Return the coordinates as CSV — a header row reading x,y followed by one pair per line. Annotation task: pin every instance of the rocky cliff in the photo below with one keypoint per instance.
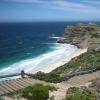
x,y
82,35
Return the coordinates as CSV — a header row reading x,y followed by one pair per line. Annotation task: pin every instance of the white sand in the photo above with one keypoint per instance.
x,y
50,67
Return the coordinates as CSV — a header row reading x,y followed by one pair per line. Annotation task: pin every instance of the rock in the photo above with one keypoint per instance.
x,y
82,35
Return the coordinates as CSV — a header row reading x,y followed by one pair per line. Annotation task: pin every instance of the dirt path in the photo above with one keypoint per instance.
x,y
77,81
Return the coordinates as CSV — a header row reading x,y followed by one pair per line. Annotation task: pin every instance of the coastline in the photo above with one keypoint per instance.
x,y
50,67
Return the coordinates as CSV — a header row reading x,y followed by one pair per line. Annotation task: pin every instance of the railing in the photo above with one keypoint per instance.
x,y
22,74
80,73
11,75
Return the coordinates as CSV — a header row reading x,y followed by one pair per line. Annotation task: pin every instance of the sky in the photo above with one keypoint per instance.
x,y
49,10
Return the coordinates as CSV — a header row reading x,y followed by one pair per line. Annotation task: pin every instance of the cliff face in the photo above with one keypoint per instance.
x,y
83,36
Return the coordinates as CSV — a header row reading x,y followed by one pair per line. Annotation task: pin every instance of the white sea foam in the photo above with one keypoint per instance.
x,y
59,51
54,37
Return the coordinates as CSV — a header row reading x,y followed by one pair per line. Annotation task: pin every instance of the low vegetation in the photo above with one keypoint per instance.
x,y
37,92
74,93
85,62
85,93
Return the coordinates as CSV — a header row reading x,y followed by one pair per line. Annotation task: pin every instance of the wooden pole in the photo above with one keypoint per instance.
x,y
22,74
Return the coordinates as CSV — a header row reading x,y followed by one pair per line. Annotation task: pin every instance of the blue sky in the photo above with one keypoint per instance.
x,y
49,10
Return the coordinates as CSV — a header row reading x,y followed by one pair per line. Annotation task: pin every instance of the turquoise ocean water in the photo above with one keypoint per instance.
x,y
24,46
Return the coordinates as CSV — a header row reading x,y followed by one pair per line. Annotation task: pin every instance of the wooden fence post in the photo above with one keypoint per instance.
x,y
22,74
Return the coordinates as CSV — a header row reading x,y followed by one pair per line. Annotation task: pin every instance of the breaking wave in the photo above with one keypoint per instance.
x,y
56,53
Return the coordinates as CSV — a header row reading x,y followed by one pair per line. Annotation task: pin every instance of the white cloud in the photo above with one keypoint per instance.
x,y
96,2
83,6
69,4
57,3
25,1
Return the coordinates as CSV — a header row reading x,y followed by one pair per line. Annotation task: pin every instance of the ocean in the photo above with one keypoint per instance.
x,y
24,46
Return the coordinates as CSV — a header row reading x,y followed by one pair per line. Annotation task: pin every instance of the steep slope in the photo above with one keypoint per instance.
x,y
82,35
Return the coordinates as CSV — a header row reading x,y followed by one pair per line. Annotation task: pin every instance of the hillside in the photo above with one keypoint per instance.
x,y
82,35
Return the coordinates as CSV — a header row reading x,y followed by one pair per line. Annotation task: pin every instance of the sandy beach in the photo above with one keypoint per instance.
x,y
50,67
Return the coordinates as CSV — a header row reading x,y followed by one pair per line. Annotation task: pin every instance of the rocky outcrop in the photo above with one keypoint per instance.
x,y
82,35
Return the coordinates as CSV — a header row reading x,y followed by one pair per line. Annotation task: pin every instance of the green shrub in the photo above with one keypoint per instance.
x,y
79,94
36,92
52,98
